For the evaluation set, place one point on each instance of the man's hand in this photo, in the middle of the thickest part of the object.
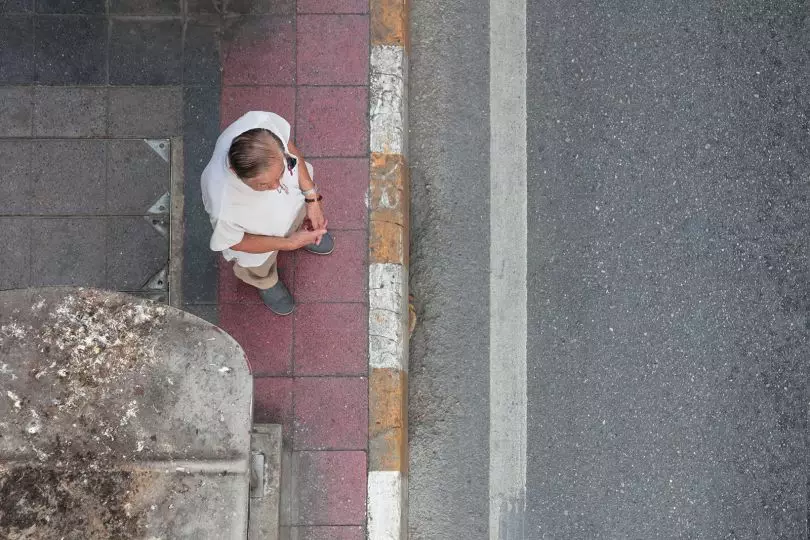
(303, 238)
(315, 215)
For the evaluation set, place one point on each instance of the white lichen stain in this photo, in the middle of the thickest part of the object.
(35, 425)
(4, 370)
(131, 412)
(15, 399)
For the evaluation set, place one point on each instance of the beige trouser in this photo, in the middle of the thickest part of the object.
(266, 275)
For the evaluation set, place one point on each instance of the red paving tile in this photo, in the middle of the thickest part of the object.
(237, 100)
(344, 184)
(332, 6)
(232, 290)
(265, 337)
(332, 121)
(339, 277)
(331, 413)
(259, 50)
(331, 488)
(273, 402)
(332, 49)
(330, 339)
(329, 533)
(263, 58)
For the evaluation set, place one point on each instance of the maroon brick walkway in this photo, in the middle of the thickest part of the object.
(311, 67)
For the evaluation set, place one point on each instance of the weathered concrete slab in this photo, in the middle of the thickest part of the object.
(119, 418)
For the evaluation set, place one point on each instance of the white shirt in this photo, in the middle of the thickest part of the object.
(234, 207)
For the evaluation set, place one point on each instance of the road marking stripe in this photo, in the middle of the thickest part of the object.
(507, 256)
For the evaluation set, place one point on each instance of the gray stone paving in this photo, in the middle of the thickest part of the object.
(85, 212)
(80, 81)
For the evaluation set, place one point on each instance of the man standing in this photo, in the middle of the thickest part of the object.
(258, 196)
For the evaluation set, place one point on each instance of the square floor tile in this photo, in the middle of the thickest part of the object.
(344, 185)
(136, 252)
(73, 7)
(244, 7)
(238, 100)
(265, 337)
(146, 52)
(69, 111)
(145, 7)
(331, 488)
(17, 7)
(328, 533)
(17, 49)
(233, 290)
(15, 177)
(332, 121)
(260, 51)
(332, 49)
(201, 55)
(145, 112)
(68, 251)
(331, 413)
(136, 176)
(71, 50)
(16, 106)
(339, 277)
(332, 6)
(331, 339)
(68, 176)
(15, 240)
(273, 402)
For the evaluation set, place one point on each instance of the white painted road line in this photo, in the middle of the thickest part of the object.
(507, 260)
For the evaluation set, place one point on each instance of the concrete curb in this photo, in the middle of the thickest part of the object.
(389, 196)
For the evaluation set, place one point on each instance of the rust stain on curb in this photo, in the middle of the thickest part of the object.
(388, 420)
(387, 243)
(389, 22)
(389, 195)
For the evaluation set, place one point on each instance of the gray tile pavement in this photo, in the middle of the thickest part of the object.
(137, 176)
(16, 105)
(145, 7)
(79, 79)
(68, 251)
(71, 50)
(145, 111)
(68, 177)
(15, 177)
(16, 49)
(70, 6)
(69, 111)
(146, 52)
(15, 237)
(135, 252)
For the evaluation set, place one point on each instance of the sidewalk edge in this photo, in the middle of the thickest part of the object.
(389, 229)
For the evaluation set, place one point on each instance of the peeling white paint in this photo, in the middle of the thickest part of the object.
(388, 109)
(386, 493)
(388, 316)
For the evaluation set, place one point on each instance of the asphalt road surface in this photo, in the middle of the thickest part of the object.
(643, 207)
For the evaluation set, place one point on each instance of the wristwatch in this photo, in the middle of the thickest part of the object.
(310, 192)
